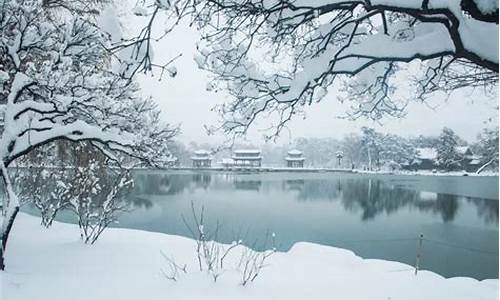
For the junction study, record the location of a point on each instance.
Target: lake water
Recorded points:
(376, 216)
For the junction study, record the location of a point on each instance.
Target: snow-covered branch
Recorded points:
(277, 56)
(59, 80)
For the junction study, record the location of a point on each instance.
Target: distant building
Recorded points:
(470, 162)
(227, 162)
(474, 164)
(201, 159)
(294, 159)
(247, 158)
(425, 159)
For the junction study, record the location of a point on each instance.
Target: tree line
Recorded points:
(368, 149)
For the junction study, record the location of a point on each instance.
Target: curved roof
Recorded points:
(294, 152)
(426, 153)
(247, 151)
(201, 152)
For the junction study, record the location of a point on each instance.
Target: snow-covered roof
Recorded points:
(247, 151)
(426, 153)
(201, 152)
(462, 149)
(475, 162)
(201, 158)
(201, 155)
(241, 157)
(294, 152)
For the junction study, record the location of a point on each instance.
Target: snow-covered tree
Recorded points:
(95, 195)
(278, 56)
(447, 155)
(60, 80)
(487, 147)
(396, 150)
(351, 146)
(372, 146)
(44, 189)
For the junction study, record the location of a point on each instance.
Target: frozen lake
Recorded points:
(376, 216)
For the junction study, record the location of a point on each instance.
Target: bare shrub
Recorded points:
(252, 262)
(172, 269)
(212, 255)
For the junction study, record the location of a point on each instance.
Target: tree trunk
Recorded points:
(369, 160)
(10, 208)
(485, 165)
(5, 235)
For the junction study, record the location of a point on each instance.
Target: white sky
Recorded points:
(184, 100)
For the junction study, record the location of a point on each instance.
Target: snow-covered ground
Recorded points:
(127, 264)
(429, 173)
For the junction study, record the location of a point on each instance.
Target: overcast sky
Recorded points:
(184, 100)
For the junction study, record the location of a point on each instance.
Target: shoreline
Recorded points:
(127, 264)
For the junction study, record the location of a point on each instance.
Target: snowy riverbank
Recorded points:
(127, 264)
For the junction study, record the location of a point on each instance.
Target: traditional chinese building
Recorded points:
(247, 158)
(294, 159)
(201, 159)
(425, 159)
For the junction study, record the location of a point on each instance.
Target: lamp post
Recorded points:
(339, 155)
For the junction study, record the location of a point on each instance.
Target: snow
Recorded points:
(306, 60)
(127, 264)
(201, 152)
(487, 6)
(295, 152)
(4, 76)
(249, 151)
(426, 153)
(140, 11)
(427, 173)
(172, 70)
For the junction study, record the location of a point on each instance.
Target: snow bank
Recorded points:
(427, 173)
(126, 264)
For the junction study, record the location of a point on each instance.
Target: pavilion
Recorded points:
(201, 159)
(295, 159)
(247, 158)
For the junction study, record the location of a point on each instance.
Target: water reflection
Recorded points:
(329, 209)
(140, 202)
(486, 209)
(370, 197)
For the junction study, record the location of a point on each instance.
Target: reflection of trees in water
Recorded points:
(160, 184)
(247, 184)
(445, 204)
(140, 202)
(202, 180)
(371, 197)
(315, 189)
(487, 209)
(294, 185)
(374, 197)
